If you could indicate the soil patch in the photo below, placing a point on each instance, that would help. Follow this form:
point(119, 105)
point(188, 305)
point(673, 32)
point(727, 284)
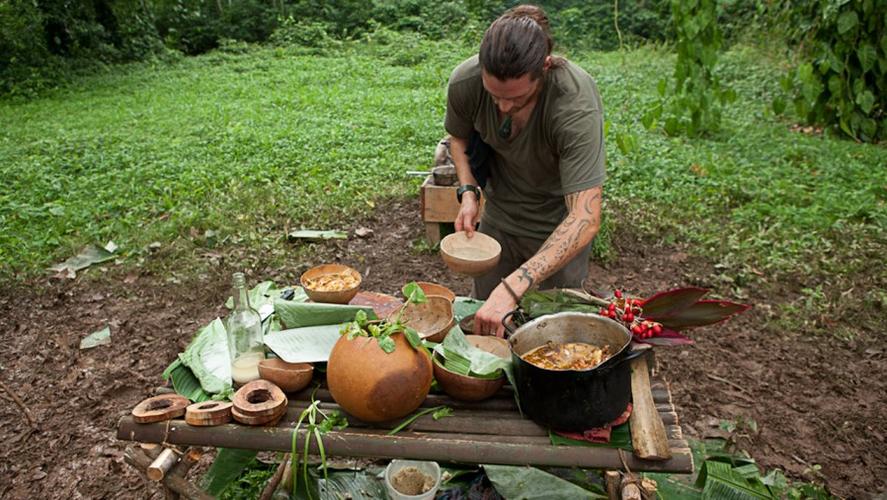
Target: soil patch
point(816, 400)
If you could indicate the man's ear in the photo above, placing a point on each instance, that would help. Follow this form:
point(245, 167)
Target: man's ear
point(547, 64)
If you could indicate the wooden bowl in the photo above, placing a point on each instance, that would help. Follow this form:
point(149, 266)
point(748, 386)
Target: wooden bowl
point(473, 256)
point(465, 388)
point(432, 319)
point(333, 297)
point(290, 377)
point(435, 289)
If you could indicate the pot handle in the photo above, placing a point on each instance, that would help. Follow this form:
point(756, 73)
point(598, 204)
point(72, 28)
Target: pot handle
point(515, 315)
point(635, 353)
point(509, 325)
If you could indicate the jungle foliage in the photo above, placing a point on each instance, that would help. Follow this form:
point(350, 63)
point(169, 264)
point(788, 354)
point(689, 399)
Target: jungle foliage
point(842, 81)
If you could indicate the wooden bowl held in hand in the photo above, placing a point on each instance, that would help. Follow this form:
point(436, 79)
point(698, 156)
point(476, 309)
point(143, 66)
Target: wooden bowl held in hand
point(290, 377)
point(331, 283)
point(473, 256)
point(435, 289)
point(433, 319)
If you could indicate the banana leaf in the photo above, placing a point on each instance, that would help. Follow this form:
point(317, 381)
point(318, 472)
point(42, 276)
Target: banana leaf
point(265, 293)
point(664, 303)
point(620, 437)
point(721, 481)
point(293, 314)
point(464, 306)
point(481, 363)
point(539, 303)
point(184, 382)
point(702, 313)
point(356, 485)
point(526, 483)
point(207, 357)
point(226, 468)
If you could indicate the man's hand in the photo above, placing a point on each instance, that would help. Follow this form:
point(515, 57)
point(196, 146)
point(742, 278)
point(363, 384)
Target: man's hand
point(488, 319)
point(466, 219)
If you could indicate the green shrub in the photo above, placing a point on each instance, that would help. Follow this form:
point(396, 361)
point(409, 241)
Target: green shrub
point(843, 84)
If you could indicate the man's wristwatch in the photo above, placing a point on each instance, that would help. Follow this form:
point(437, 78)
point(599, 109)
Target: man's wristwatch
point(465, 188)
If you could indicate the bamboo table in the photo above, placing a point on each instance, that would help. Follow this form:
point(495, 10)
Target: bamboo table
point(488, 432)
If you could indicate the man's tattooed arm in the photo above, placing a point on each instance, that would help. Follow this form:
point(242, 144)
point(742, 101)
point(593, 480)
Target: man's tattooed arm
point(568, 239)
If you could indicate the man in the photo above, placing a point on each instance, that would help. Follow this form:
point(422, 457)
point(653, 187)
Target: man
point(541, 117)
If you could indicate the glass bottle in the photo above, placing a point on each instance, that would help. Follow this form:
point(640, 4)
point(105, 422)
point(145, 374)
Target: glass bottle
point(245, 344)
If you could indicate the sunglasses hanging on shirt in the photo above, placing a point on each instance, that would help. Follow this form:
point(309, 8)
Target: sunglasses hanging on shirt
point(505, 128)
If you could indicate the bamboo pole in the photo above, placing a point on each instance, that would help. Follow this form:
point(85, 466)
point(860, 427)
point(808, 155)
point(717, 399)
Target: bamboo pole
point(137, 458)
point(425, 446)
point(161, 465)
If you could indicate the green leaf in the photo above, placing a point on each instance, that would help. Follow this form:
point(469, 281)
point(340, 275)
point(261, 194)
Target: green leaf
point(299, 314)
point(208, 358)
point(88, 255)
point(661, 87)
point(184, 382)
point(360, 317)
point(620, 437)
point(412, 418)
point(526, 483)
point(778, 105)
point(265, 293)
point(387, 344)
point(866, 101)
point(95, 339)
point(413, 337)
point(226, 468)
point(316, 235)
point(414, 293)
point(722, 482)
point(847, 21)
point(482, 363)
point(867, 55)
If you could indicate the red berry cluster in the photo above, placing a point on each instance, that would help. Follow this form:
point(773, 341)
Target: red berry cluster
point(628, 311)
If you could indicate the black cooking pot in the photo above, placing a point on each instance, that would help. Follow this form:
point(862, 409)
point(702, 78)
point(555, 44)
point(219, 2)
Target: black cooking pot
point(573, 400)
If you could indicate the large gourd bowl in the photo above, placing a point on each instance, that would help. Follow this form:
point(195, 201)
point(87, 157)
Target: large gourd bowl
point(473, 256)
point(331, 297)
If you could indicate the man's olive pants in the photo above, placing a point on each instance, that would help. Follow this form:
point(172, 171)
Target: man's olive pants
point(516, 250)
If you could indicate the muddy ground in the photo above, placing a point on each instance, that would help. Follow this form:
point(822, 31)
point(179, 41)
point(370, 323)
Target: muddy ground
point(816, 400)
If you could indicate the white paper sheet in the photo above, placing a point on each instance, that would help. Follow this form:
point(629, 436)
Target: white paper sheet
point(310, 344)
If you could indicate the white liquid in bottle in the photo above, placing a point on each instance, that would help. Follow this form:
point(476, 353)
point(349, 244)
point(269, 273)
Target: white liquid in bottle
point(246, 368)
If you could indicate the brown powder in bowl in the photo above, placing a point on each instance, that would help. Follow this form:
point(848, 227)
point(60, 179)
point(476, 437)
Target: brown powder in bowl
point(412, 481)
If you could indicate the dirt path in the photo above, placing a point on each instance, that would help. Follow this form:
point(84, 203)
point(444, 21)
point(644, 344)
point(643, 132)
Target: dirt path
point(815, 400)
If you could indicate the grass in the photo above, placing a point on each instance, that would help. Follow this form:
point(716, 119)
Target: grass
point(249, 145)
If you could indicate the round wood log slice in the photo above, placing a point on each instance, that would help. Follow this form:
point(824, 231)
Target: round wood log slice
point(208, 413)
point(262, 420)
point(259, 398)
point(160, 408)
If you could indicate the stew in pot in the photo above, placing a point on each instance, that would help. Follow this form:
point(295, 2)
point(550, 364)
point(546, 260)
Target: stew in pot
point(567, 356)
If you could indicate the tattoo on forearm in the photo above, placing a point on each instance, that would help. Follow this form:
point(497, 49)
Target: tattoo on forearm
point(564, 240)
point(571, 200)
point(590, 203)
point(525, 275)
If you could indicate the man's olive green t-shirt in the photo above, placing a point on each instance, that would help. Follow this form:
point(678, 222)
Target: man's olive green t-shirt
point(559, 151)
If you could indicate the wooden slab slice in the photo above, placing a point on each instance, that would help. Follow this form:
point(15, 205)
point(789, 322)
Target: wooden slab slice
point(208, 413)
point(160, 408)
point(259, 398)
point(260, 420)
